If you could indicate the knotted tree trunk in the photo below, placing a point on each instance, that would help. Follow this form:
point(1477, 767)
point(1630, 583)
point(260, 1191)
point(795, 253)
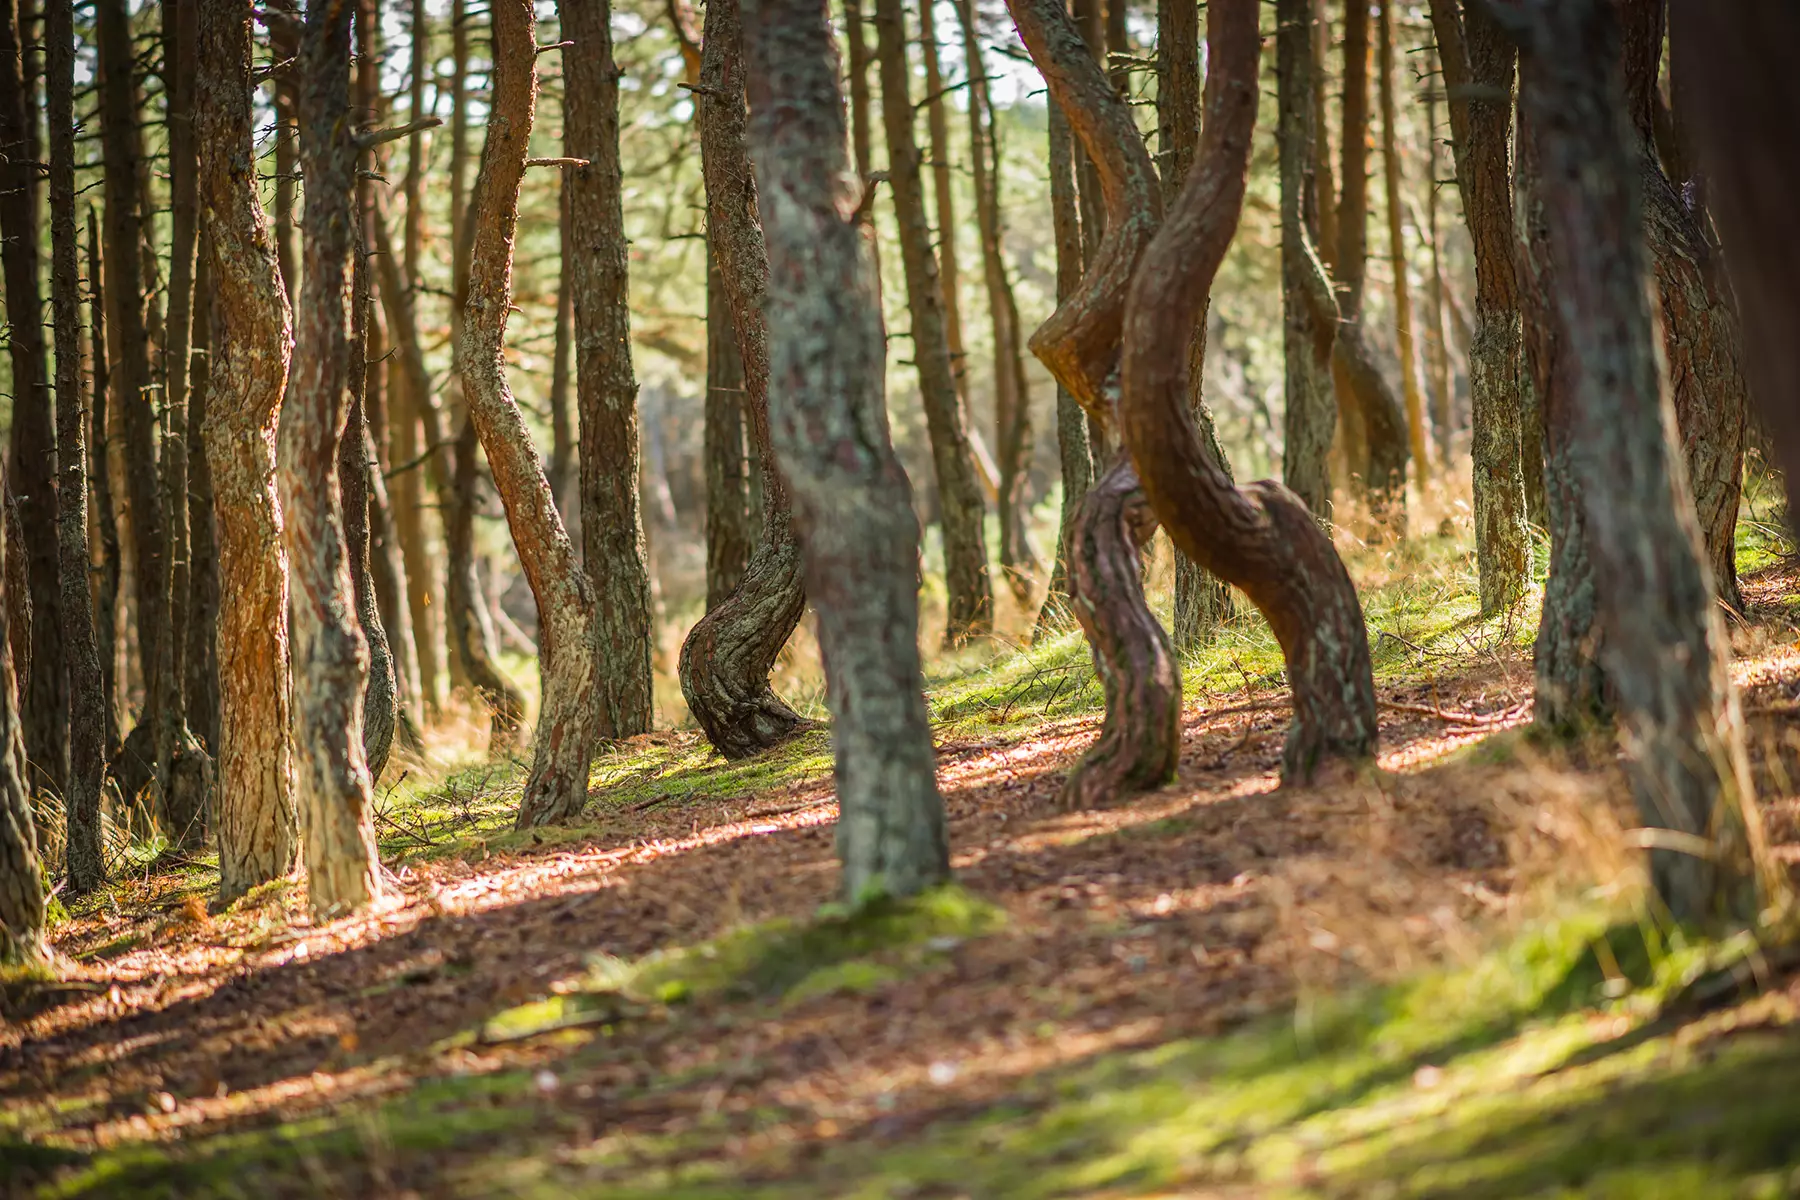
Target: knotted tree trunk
point(1261, 538)
point(330, 658)
point(556, 789)
point(852, 503)
point(726, 659)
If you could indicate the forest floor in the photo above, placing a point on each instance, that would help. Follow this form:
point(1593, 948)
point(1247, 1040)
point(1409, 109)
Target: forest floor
point(1436, 980)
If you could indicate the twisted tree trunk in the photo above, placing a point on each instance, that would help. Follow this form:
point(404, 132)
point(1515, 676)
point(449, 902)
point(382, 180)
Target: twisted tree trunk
point(1478, 75)
point(612, 528)
point(961, 511)
point(330, 658)
point(726, 659)
point(1310, 420)
point(1261, 538)
point(355, 464)
point(85, 857)
point(1140, 741)
point(556, 789)
point(1665, 652)
point(852, 504)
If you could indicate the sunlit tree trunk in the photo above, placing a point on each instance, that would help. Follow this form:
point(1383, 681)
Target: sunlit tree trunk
point(852, 503)
point(85, 856)
point(1437, 344)
point(1393, 172)
point(330, 658)
point(612, 527)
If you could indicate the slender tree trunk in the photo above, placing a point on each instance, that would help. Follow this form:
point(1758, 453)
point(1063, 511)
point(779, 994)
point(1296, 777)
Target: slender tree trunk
point(1478, 76)
point(960, 508)
point(556, 789)
point(1310, 420)
point(202, 658)
point(937, 138)
point(852, 504)
point(356, 462)
point(44, 691)
point(612, 528)
point(1139, 743)
point(1019, 559)
point(1738, 92)
point(183, 812)
point(21, 873)
point(129, 338)
point(1201, 601)
point(726, 659)
point(284, 47)
point(86, 860)
point(1437, 345)
point(1665, 652)
point(330, 658)
point(563, 462)
point(1261, 538)
point(1701, 342)
point(1392, 171)
point(106, 528)
point(730, 535)
point(1324, 178)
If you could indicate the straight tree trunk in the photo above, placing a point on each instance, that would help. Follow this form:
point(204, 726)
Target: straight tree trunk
point(1310, 420)
point(563, 462)
point(1665, 652)
point(1201, 601)
point(961, 511)
point(1262, 538)
point(730, 535)
point(556, 789)
point(1019, 560)
point(612, 527)
point(726, 659)
point(356, 462)
point(284, 47)
point(202, 658)
point(106, 576)
point(1324, 178)
point(21, 872)
point(937, 138)
point(129, 338)
point(330, 658)
point(1437, 345)
point(1392, 171)
point(86, 859)
point(1478, 76)
point(852, 503)
point(44, 691)
point(1139, 743)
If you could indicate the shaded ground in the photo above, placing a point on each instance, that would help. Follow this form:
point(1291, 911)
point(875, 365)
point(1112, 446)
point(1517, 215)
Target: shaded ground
point(1168, 995)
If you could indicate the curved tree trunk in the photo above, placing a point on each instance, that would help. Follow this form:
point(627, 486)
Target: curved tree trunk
point(1478, 74)
point(961, 511)
point(86, 859)
point(1665, 652)
point(852, 503)
point(1201, 601)
point(612, 528)
point(330, 658)
point(726, 659)
point(1261, 538)
point(44, 692)
point(1140, 742)
point(1310, 420)
point(21, 873)
point(556, 789)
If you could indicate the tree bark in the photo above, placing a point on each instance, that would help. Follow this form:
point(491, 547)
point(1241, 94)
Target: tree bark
point(1139, 742)
point(1201, 601)
point(1019, 558)
point(1743, 103)
point(612, 529)
point(852, 503)
point(330, 658)
point(1478, 76)
point(1437, 344)
point(284, 48)
point(21, 873)
point(562, 364)
point(556, 789)
point(86, 860)
point(1392, 171)
point(44, 692)
point(106, 577)
point(961, 511)
point(202, 658)
point(726, 660)
point(730, 532)
point(1310, 420)
point(356, 462)
point(1261, 538)
point(128, 336)
point(1665, 651)
point(937, 138)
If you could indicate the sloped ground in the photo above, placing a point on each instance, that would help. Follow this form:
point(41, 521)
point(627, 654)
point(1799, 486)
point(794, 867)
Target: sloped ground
point(1399, 985)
